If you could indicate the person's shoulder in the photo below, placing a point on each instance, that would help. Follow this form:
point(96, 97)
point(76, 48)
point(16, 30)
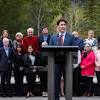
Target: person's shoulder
point(15, 40)
point(54, 35)
point(40, 36)
point(35, 37)
point(25, 37)
point(92, 52)
point(1, 48)
point(10, 39)
point(49, 35)
point(95, 39)
point(97, 51)
point(81, 39)
point(86, 39)
point(25, 55)
point(69, 34)
point(0, 38)
point(10, 48)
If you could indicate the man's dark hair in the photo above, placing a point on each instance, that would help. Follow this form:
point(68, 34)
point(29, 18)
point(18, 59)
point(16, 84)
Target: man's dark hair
point(44, 27)
point(4, 31)
point(61, 20)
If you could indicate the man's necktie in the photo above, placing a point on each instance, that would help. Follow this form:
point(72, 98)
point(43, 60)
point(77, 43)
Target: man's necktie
point(61, 39)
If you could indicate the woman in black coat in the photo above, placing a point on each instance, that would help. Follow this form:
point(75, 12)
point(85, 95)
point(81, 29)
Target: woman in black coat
point(18, 70)
point(29, 70)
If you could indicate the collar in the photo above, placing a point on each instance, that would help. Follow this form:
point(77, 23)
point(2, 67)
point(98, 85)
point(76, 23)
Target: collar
point(62, 34)
point(45, 35)
point(6, 48)
point(90, 38)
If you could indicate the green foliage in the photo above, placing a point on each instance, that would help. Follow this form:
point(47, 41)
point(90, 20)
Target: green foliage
point(18, 15)
point(92, 15)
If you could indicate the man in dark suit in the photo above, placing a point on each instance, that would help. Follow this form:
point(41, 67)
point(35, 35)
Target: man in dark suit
point(63, 38)
point(6, 57)
point(44, 39)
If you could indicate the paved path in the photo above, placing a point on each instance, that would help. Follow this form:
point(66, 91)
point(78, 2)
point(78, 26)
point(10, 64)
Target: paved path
point(44, 98)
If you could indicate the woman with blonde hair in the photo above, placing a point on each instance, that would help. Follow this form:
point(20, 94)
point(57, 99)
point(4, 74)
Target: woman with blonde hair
point(18, 40)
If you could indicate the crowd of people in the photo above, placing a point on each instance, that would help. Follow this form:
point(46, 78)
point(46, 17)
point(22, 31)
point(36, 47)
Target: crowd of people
point(23, 54)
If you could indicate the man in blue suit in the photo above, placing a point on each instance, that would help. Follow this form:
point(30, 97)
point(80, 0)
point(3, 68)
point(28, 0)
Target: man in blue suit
point(63, 38)
point(6, 58)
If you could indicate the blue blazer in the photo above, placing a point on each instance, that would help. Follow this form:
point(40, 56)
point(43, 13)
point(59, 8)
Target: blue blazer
point(68, 41)
point(41, 39)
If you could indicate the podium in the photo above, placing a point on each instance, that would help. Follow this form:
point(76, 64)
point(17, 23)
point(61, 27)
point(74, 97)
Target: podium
point(68, 66)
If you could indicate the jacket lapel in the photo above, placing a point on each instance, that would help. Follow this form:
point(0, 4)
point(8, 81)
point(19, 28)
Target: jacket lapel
point(4, 52)
point(57, 40)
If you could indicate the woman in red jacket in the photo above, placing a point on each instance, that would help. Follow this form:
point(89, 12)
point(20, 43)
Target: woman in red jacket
point(87, 68)
point(32, 40)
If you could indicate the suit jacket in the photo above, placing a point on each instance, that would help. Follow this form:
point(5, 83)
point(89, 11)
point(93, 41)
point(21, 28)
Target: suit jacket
point(42, 57)
point(68, 41)
point(79, 42)
point(6, 61)
point(28, 67)
point(41, 39)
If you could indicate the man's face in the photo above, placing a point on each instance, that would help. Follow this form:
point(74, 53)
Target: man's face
point(6, 43)
point(45, 31)
point(62, 27)
point(30, 33)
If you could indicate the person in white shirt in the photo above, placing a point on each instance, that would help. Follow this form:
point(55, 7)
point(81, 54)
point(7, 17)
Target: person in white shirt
point(91, 40)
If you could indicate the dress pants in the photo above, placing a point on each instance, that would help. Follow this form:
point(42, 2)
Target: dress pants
point(59, 69)
point(98, 84)
point(30, 81)
point(5, 83)
point(43, 78)
point(89, 84)
point(18, 82)
point(76, 81)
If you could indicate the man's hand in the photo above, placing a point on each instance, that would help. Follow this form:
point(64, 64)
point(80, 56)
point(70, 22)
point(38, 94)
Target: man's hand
point(44, 43)
point(75, 65)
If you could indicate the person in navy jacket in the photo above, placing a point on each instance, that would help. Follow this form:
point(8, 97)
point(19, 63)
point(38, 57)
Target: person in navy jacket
point(44, 39)
point(61, 38)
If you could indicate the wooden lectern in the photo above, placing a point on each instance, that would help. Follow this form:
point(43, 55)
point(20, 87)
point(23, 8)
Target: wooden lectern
point(69, 71)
